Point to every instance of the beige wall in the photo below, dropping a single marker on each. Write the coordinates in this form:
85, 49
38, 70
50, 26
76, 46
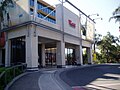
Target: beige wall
24, 4
32, 32
18, 32
68, 15
72, 40
21, 7
48, 33
86, 43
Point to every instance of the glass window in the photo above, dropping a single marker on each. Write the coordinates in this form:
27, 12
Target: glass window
53, 13
38, 5
42, 16
38, 14
32, 3
47, 10
31, 12
41, 6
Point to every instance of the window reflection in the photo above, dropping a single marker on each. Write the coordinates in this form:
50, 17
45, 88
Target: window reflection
45, 9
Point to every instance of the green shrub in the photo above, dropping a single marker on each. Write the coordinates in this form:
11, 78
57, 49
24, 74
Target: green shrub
2, 69
2, 82
9, 75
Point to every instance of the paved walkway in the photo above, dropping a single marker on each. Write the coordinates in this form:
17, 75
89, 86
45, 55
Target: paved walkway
105, 77
48, 82
27, 82
40, 80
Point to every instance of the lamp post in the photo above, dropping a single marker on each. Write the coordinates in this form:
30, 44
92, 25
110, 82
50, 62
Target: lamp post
95, 30
98, 18
94, 14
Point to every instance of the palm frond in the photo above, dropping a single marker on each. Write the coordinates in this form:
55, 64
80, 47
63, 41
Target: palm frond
116, 15
117, 10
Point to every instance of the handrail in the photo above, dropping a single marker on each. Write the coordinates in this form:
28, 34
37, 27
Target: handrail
2, 74
10, 73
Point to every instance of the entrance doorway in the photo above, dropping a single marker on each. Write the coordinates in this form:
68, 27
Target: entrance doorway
85, 56
50, 56
70, 56
40, 55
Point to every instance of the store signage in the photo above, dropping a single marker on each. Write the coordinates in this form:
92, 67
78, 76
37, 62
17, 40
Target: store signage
90, 30
71, 24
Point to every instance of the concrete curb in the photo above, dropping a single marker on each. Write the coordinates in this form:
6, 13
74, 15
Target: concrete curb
61, 83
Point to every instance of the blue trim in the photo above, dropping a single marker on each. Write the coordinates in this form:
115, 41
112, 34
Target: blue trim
20, 15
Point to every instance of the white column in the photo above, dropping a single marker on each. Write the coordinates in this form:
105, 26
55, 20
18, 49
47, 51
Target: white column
60, 54
43, 55
79, 56
7, 52
0, 56
32, 48
89, 53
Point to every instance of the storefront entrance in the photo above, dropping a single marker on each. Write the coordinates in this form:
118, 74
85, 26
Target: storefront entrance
50, 56
46, 52
70, 56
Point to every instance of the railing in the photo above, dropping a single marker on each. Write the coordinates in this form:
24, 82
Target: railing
10, 73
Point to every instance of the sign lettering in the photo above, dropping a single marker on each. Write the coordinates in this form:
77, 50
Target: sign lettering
71, 24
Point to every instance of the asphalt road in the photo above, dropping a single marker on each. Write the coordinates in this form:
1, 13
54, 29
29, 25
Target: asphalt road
103, 77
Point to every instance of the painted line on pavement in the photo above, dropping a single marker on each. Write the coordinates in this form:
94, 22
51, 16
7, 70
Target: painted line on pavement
109, 84
51, 80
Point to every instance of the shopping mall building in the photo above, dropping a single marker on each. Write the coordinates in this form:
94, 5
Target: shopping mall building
37, 33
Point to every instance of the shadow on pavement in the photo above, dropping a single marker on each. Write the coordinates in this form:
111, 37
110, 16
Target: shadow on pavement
84, 76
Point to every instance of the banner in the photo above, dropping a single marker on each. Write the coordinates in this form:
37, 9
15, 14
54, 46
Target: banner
90, 30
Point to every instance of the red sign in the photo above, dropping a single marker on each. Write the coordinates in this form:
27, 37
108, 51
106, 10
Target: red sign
2, 39
71, 24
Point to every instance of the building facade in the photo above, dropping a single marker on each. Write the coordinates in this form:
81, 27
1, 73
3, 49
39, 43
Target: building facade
42, 35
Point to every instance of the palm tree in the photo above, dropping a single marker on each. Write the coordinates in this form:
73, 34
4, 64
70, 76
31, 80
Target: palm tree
116, 15
3, 7
4, 4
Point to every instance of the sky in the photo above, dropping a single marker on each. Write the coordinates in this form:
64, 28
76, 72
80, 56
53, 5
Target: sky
104, 8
